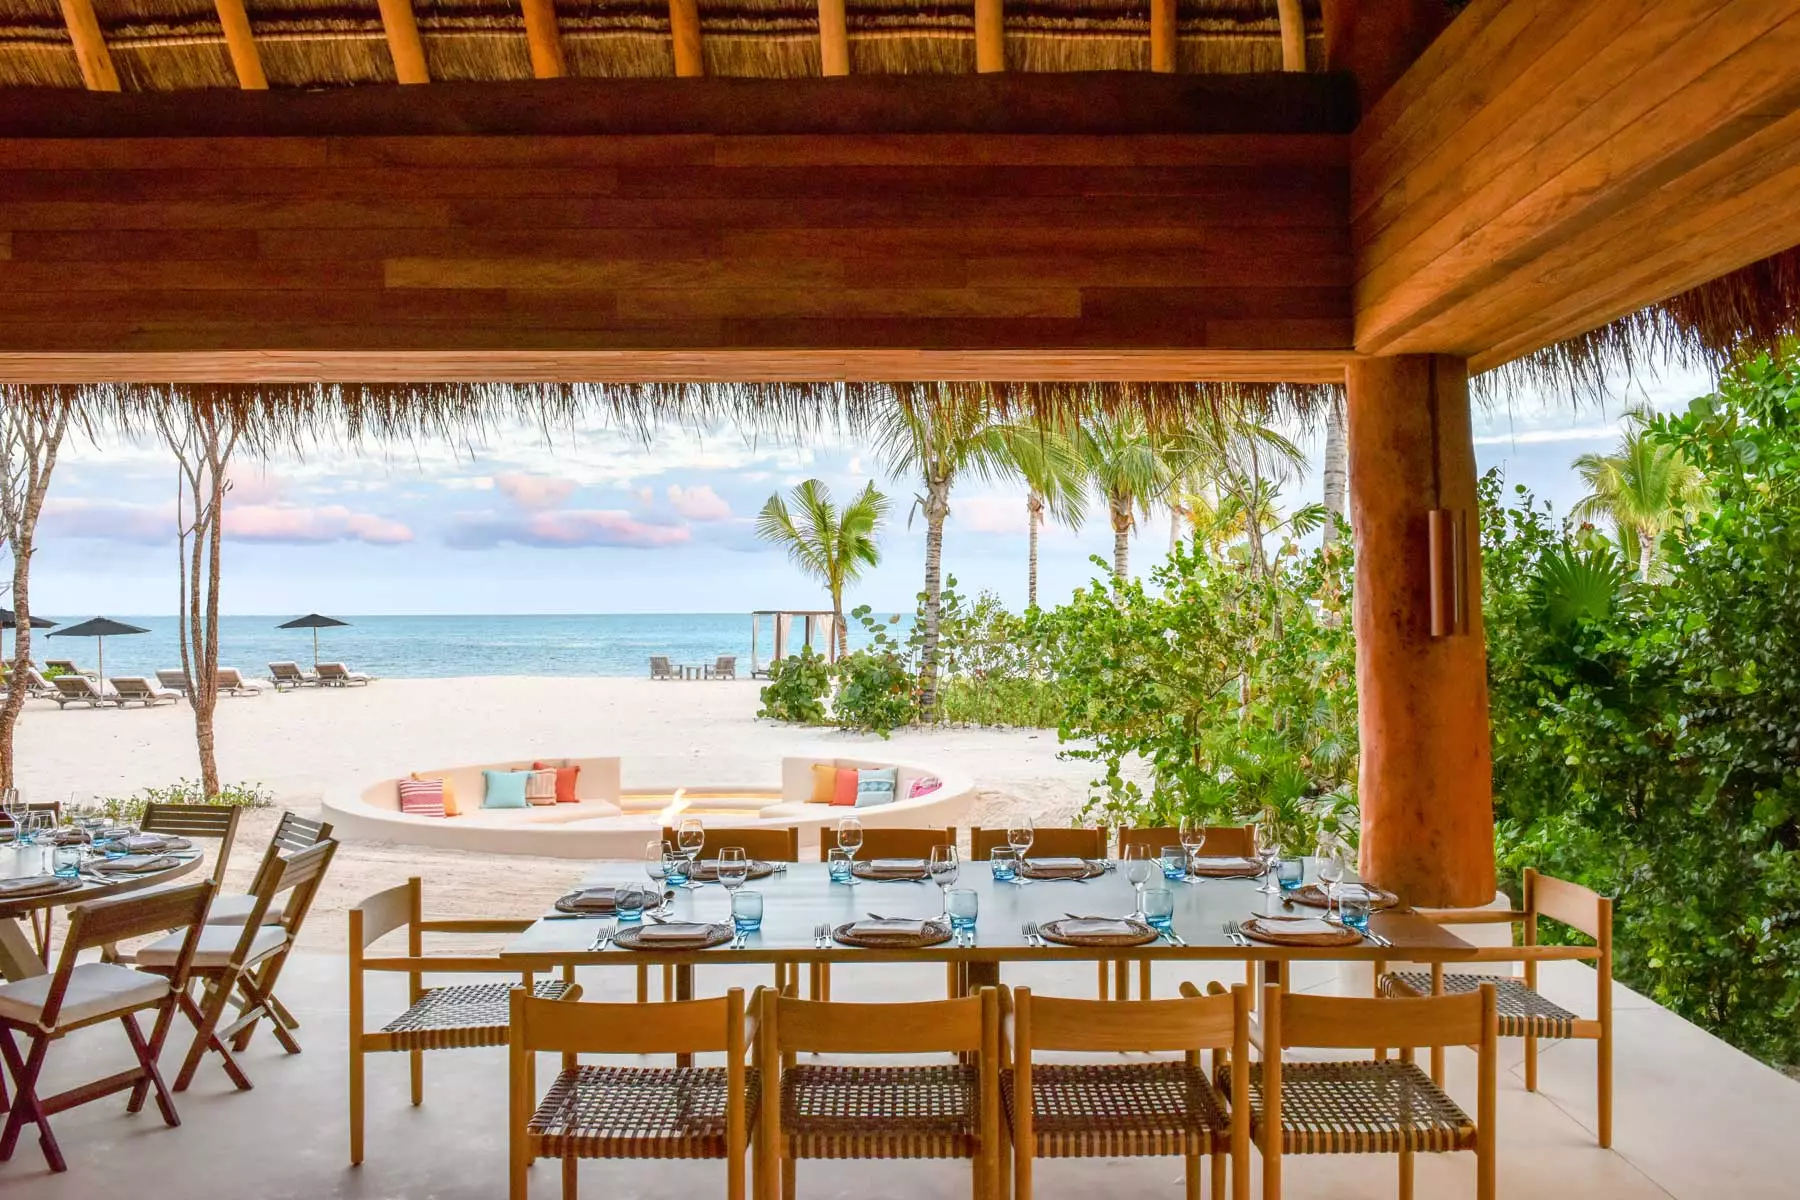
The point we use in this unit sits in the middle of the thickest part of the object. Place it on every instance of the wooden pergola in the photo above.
(925, 196)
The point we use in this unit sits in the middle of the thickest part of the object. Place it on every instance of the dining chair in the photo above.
(212, 822)
(454, 1017)
(1372, 1106)
(46, 1008)
(293, 833)
(241, 965)
(1524, 1012)
(1224, 841)
(894, 842)
(631, 1111)
(766, 845)
(1130, 1110)
(827, 1110)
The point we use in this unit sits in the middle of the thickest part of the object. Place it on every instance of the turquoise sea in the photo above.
(435, 647)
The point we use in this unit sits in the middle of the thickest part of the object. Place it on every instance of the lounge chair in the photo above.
(232, 680)
(286, 675)
(37, 685)
(175, 679)
(135, 689)
(338, 675)
(660, 668)
(79, 689)
(67, 666)
(725, 668)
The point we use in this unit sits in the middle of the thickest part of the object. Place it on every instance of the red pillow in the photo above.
(844, 794)
(565, 782)
(421, 797)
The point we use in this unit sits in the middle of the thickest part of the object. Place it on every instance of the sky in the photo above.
(595, 521)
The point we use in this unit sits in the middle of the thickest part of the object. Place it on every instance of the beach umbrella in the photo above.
(314, 622)
(99, 628)
(10, 620)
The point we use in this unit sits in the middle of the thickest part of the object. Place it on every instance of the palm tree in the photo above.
(1239, 463)
(1049, 460)
(832, 545)
(1645, 488)
(1131, 469)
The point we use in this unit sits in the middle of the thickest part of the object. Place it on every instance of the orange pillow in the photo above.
(824, 783)
(843, 792)
(565, 782)
(450, 809)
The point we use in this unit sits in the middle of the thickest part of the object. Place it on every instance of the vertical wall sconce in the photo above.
(1447, 530)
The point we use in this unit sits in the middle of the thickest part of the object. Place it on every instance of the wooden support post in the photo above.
(1426, 775)
(684, 32)
(403, 41)
(990, 36)
(1162, 36)
(834, 38)
(90, 46)
(544, 40)
(240, 43)
(1293, 34)
(1376, 40)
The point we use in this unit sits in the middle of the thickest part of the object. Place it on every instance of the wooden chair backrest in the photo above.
(891, 843)
(1297, 1019)
(1223, 841)
(374, 917)
(1045, 843)
(196, 821)
(677, 1027)
(293, 834)
(769, 845)
(1101, 1026)
(54, 807)
(106, 922)
(1581, 909)
(933, 1026)
(298, 877)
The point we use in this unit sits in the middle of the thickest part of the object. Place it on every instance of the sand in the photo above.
(304, 745)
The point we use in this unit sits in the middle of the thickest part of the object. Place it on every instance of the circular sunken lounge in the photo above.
(608, 821)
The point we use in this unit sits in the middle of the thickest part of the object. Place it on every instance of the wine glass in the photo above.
(1193, 837)
(1020, 833)
(1268, 850)
(734, 868)
(1331, 870)
(944, 867)
(850, 839)
(690, 839)
(1137, 866)
(13, 804)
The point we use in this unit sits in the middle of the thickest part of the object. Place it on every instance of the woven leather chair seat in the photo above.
(1359, 1108)
(1523, 1013)
(881, 1112)
(637, 1112)
(466, 1015)
(1106, 1111)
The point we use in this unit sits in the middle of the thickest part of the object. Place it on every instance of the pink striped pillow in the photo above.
(422, 797)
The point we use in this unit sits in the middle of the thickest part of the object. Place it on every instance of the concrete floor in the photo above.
(1695, 1119)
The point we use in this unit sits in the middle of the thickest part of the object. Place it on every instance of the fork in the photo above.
(604, 936)
(820, 933)
(1232, 935)
(1175, 939)
(1029, 931)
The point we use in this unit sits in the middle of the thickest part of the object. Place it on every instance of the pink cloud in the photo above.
(110, 520)
(561, 530)
(328, 523)
(535, 491)
(258, 487)
(699, 503)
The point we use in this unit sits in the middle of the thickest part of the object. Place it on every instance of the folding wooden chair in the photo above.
(211, 822)
(821, 1110)
(456, 1017)
(1523, 1012)
(293, 834)
(765, 845)
(1128, 1110)
(1376, 1106)
(240, 965)
(45, 1008)
(594, 1111)
(896, 842)
(1225, 841)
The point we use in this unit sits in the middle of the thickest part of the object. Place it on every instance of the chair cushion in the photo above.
(881, 1112)
(95, 989)
(1107, 1110)
(216, 945)
(235, 910)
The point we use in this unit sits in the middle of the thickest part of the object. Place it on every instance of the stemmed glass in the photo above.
(849, 835)
(1020, 833)
(656, 866)
(1193, 837)
(1268, 850)
(690, 838)
(1331, 870)
(1137, 866)
(40, 827)
(734, 868)
(944, 867)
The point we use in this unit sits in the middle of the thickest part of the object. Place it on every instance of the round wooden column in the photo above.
(1426, 777)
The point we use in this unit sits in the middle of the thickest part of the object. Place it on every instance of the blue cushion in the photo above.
(505, 789)
(875, 786)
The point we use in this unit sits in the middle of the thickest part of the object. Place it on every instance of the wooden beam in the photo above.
(90, 46)
(834, 38)
(684, 32)
(1162, 36)
(544, 40)
(240, 43)
(990, 36)
(403, 41)
(1293, 34)
(1377, 40)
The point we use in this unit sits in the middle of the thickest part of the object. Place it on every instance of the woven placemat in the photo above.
(136, 864)
(31, 887)
(871, 871)
(1053, 932)
(633, 939)
(1034, 869)
(1230, 869)
(1313, 896)
(1272, 930)
(936, 933)
(707, 870)
(600, 900)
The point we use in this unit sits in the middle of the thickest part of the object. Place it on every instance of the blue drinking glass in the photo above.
(746, 911)
(1005, 862)
(1159, 907)
(963, 906)
(675, 870)
(628, 904)
(1289, 873)
(837, 862)
(1174, 861)
(1353, 907)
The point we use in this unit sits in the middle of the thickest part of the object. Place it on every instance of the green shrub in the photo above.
(875, 691)
(128, 809)
(796, 689)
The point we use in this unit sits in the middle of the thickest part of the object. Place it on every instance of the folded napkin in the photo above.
(675, 931)
(1097, 927)
(604, 899)
(136, 864)
(31, 885)
(1059, 864)
(1227, 862)
(1301, 926)
(895, 866)
(888, 927)
(152, 843)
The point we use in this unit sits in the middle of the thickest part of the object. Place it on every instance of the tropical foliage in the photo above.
(128, 809)
(831, 544)
(796, 688)
(1645, 489)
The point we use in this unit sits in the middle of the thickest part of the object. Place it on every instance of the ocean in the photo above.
(392, 647)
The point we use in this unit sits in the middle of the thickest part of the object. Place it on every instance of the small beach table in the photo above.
(18, 959)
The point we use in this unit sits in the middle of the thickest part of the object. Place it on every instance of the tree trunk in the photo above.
(203, 449)
(837, 616)
(1121, 523)
(1337, 471)
(34, 436)
(1646, 554)
(937, 508)
(1034, 512)
(205, 692)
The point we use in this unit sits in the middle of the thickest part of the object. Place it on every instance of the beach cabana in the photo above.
(786, 623)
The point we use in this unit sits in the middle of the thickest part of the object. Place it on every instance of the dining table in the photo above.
(19, 959)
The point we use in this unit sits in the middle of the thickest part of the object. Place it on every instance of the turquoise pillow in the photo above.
(505, 789)
(876, 786)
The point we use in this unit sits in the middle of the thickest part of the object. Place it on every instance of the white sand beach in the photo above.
(307, 744)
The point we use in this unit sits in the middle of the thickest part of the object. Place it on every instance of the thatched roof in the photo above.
(169, 45)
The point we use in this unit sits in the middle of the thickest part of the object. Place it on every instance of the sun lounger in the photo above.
(175, 679)
(37, 685)
(232, 680)
(67, 666)
(725, 668)
(338, 675)
(79, 689)
(135, 689)
(660, 668)
(285, 675)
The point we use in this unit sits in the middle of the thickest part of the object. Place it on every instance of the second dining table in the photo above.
(18, 958)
